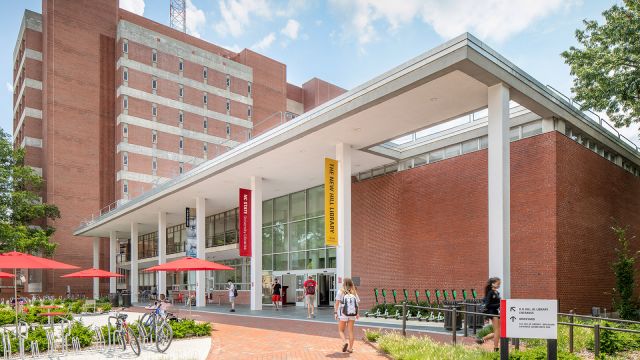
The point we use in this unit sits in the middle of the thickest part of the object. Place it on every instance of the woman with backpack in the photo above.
(346, 312)
(491, 303)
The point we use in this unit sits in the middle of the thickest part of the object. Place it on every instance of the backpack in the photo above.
(235, 291)
(350, 307)
(311, 289)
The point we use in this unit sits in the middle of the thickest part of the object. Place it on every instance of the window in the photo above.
(181, 65)
(125, 186)
(204, 72)
(228, 82)
(125, 46)
(228, 105)
(249, 111)
(249, 88)
(154, 110)
(154, 84)
(181, 143)
(181, 168)
(154, 164)
(180, 117)
(181, 91)
(125, 74)
(125, 102)
(204, 98)
(154, 137)
(205, 147)
(125, 159)
(532, 128)
(250, 136)
(154, 56)
(125, 130)
(469, 146)
(228, 129)
(205, 123)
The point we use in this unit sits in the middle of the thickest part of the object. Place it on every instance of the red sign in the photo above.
(503, 318)
(244, 222)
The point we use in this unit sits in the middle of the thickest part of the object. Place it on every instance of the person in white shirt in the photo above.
(346, 312)
(231, 288)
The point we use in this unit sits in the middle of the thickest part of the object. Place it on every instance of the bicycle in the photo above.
(125, 334)
(162, 331)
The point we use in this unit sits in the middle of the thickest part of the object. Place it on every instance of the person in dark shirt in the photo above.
(275, 297)
(492, 307)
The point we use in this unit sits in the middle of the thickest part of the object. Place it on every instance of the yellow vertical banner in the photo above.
(331, 202)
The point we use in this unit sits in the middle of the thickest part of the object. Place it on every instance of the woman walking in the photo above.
(346, 312)
(492, 305)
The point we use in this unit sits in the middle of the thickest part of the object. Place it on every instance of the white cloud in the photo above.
(291, 29)
(135, 6)
(237, 14)
(265, 43)
(9, 87)
(196, 19)
(495, 20)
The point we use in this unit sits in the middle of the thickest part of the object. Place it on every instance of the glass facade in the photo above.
(240, 275)
(293, 232)
(148, 245)
(222, 229)
(176, 238)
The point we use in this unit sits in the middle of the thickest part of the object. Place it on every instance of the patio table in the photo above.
(50, 315)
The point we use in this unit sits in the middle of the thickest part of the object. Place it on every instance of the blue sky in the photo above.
(348, 42)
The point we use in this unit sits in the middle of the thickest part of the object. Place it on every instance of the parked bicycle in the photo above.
(125, 335)
(156, 327)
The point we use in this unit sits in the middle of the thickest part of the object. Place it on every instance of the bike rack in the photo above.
(6, 344)
(35, 349)
(97, 331)
(51, 340)
(76, 343)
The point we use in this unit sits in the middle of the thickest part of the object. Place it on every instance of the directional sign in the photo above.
(529, 319)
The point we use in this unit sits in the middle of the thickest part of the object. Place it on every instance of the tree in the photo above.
(607, 64)
(624, 270)
(23, 215)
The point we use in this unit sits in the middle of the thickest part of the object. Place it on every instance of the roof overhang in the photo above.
(447, 81)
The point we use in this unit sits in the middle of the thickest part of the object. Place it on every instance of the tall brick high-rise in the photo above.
(109, 104)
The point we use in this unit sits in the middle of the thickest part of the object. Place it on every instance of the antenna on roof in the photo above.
(178, 15)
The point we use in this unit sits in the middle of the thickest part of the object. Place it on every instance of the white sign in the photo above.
(529, 318)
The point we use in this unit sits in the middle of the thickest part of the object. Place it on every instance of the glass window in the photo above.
(281, 262)
(267, 240)
(181, 91)
(331, 254)
(484, 142)
(218, 230)
(514, 133)
(125, 74)
(249, 88)
(469, 146)
(297, 236)
(298, 260)
(205, 98)
(154, 55)
(315, 233)
(125, 46)
(267, 262)
(281, 210)
(204, 73)
(181, 65)
(436, 155)
(533, 128)
(298, 206)
(316, 259)
(125, 102)
(181, 117)
(452, 151)
(228, 130)
(231, 228)
(154, 84)
(228, 105)
(267, 213)
(205, 123)
(280, 238)
(315, 201)
(228, 83)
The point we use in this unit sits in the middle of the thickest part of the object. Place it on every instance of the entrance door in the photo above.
(300, 279)
(326, 289)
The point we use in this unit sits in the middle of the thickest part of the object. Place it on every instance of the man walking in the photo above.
(310, 296)
(233, 294)
(275, 293)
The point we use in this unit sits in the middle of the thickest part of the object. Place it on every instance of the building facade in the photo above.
(108, 105)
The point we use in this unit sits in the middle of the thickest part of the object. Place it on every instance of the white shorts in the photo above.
(310, 299)
(232, 299)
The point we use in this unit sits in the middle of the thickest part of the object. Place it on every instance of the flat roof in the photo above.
(441, 84)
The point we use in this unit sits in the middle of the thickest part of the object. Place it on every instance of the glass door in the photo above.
(300, 290)
(332, 289)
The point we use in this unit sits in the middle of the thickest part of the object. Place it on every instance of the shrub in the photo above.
(76, 306)
(37, 303)
(40, 335)
(7, 316)
(187, 328)
(57, 302)
(47, 302)
(372, 335)
(83, 333)
(623, 268)
(106, 307)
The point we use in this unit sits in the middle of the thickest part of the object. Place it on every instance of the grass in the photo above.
(422, 348)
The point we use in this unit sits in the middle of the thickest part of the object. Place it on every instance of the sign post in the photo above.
(529, 319)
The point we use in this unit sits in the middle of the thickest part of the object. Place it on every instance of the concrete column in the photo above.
(499, 187)
(548, 124)
(133, 276)
(162, 251)
(343, 252)
(113, 252)
(96, 265)
(256, 243)
(201, 286)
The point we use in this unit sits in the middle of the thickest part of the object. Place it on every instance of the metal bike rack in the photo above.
(35, 349)
(6, 344)
(51, 340)
(97, 331)
(76, 343)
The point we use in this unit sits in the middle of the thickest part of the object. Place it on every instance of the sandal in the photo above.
(345, 347)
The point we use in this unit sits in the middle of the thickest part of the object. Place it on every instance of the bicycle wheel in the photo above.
(123, 340)
(133, 341)
(164, 336)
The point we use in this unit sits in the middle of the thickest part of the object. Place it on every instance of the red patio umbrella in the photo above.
(17, 260)
(189, 264)
(4, 275)
(92, 273)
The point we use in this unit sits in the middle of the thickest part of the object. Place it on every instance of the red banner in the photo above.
(244, 222)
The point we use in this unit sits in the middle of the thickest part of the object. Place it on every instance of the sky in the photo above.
(348, 42)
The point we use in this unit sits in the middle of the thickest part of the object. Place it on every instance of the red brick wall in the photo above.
(593, 193)
(317, 92)
(426, 228)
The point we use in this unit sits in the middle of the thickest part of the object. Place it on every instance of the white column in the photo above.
(499, 187)
(133, 276)
(113, 252)
(343, 252)
(162, 251)
(201, 286)
(256, 243)
(96, 265)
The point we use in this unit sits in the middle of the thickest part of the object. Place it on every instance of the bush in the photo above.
(37, 334)
(624, 270)
(83, 333)
(57, 302)
(47, 302)
(76, 306)
(539, 353)
(7, 316)
(37, 303)
(372, 335)
(188, 328)
(106, 307)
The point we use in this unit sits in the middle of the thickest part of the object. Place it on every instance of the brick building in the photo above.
(109, 105)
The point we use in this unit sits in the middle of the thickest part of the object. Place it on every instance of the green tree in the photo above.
(23, 215)
(606, 66)
(624, 270)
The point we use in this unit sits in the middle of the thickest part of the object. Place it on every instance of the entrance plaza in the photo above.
(452, 167)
